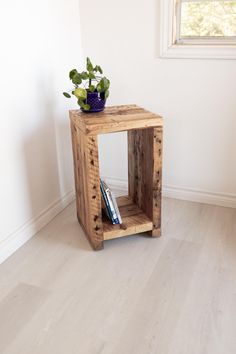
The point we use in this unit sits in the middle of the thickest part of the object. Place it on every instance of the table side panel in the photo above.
(79, 181)
(145, 172)
(91, 175)
(87, 184)
(157, 180)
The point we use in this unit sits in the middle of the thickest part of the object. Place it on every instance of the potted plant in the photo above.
(91, 89)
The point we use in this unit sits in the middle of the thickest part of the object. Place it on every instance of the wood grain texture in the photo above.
(145, 172)
(157, 181)
(87, 184)
(13, 316)
(134, 220)
(114, 119)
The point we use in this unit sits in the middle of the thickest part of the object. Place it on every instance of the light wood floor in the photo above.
(173, 295)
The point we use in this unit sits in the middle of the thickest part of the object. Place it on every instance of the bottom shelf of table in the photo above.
(134, 220)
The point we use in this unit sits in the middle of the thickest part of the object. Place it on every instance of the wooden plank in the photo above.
(79, 182)
(115, 118)
(135, 224)
(87, 183)
(145, 172)
(91, 175)
(124, 200)
(157, 180)
(134, 221)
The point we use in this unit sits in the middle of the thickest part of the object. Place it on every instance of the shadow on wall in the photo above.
(42, 155)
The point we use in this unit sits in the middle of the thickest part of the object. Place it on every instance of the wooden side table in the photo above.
(141, 209)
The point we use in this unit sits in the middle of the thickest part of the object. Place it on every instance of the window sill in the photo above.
(188, 51)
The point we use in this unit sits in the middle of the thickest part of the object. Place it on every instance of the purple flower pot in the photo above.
(96, 101)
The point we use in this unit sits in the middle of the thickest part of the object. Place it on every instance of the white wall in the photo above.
(40, 43)
(196, 98)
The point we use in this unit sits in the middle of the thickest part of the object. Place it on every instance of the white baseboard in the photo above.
(17, 238)
(226, 200)
(200, 196)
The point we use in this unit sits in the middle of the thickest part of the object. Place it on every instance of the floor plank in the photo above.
(172, 295)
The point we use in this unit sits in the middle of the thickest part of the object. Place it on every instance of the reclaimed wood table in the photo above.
(141, 208)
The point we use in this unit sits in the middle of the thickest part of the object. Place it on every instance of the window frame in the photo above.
(172, 46)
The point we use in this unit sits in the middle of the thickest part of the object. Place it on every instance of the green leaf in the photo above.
(76, 79)
(84, 75)
(99, 87)
(83, 105)
(99, 69)
(107, 94)
(80, 93)
(66, 94)
(103, 85)
(91, 75)
(81, 102)
(86, 107)
(91, 88)
(89, 65)
(106, 83)
(72, 73)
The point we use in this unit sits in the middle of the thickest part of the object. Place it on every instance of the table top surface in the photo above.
(115, 119)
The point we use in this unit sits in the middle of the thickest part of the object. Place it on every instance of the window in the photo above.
(198, 28)
(206, 22)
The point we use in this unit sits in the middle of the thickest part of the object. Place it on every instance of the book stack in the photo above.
(110, 205)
